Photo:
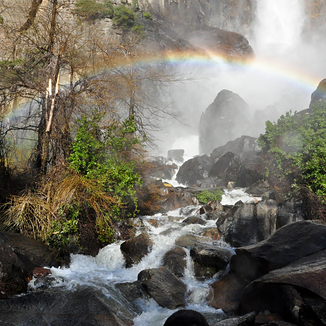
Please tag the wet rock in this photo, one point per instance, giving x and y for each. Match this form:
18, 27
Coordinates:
19, 256
135, 249
194, 170
266, 317
224, 120
186, 317
244, 147
132, 292
214, 234
289, 243
164, 287
226, 168
29, 249
209, 259
177, 198
290, 211
246, 224
194, 220
259, 188
245, 320
307, 273
175, 261
66, 308
286, 245
211, 206
319, 94
249, 172
210, 255
176, 154
186, 241
278, 298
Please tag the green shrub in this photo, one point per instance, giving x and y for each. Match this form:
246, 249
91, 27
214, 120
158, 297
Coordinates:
206, 196
138, 30
123, 17
147, 15
92, 10
298, 142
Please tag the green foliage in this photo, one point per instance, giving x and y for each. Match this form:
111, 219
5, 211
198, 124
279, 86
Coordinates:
104, 156
123, 17
299, 141
92, 10
1, 20
134, 5
64, 231
147, 15
206, 196
138, 30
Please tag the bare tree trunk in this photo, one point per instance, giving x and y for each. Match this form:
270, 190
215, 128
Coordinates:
31, 15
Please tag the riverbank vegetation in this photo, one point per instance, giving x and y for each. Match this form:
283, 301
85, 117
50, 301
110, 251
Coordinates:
295, 152
76, 117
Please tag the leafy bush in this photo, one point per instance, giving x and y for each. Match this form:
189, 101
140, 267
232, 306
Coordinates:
298, 142
98, 187
92, 10
138, 30
147, 15
124, 17
206, 196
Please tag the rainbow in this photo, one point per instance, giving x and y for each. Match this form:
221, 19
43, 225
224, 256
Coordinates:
298, 77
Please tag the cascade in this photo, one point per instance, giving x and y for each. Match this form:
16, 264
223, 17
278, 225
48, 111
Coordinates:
279, 24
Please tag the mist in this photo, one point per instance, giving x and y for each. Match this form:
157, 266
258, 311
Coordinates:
287, 68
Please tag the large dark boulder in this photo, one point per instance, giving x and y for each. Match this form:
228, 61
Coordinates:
134, 250
175, 261
186, 317
224, 120
209, 259
194, 170
164, 287
176, 198
290, 211
19, 256
65, 308
286, 245
244, 146
226, 168
246, 224
319, 94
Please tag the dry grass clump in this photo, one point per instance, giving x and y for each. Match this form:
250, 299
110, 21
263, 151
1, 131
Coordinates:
33, 212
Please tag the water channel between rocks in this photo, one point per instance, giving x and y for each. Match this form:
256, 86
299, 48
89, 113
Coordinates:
107, 268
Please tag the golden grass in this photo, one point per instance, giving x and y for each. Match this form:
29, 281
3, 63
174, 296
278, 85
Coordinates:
32, 213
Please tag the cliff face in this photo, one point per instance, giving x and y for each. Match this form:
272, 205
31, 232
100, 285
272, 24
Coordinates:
233, 15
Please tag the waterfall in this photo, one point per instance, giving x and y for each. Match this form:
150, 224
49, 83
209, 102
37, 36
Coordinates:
279, 25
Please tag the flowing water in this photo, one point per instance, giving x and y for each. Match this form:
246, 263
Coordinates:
107, 268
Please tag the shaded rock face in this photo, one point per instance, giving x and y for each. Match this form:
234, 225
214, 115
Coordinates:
244, 147
225, 119
292, 258
175, 261
246, 224
235, 15
164, 287
19, 256
135, 249
209, 259
225, 43
194, 169
319, 94
66, 308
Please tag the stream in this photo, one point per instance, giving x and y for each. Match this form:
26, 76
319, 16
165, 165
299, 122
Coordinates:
107, 269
